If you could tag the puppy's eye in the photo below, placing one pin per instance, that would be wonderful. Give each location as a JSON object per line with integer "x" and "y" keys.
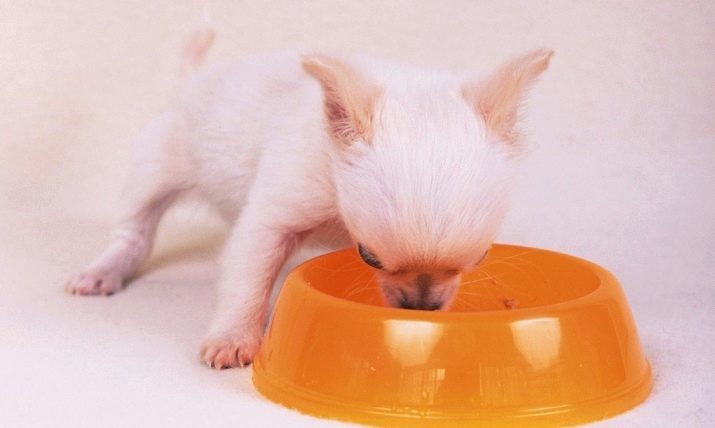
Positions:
{"x": 484, "y": 256}
{"x": 369, "y": 257}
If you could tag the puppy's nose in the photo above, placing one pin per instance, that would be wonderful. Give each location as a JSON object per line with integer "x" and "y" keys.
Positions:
{"x": 419, "y": 296}
{"x": 420, "y": 304}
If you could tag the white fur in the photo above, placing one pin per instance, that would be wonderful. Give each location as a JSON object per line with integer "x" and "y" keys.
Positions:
{"x": 429, "y": 190}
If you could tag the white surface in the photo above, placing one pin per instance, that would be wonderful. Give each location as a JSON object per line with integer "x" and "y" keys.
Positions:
{"x": 622, "y": 172}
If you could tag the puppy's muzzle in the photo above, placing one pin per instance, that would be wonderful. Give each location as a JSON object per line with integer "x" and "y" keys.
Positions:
{"x": 420, "y": 296}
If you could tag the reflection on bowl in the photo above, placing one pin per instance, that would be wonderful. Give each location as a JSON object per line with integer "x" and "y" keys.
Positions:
{"x": 534, "y": 337}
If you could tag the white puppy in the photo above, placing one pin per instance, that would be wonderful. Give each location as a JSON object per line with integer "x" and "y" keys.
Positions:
{"x": 411, "y": 166}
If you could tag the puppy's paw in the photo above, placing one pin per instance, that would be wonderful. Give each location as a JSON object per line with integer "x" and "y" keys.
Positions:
{"x": 94, "y": 283}
{"x": 226, "y": 351}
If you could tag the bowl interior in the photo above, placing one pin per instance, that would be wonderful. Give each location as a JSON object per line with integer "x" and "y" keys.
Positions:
{"x": 510, "y": 278}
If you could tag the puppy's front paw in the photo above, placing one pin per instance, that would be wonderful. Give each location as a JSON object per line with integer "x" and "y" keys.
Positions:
{"x": 226, "y": 351}
{"x": 93, "y": 283}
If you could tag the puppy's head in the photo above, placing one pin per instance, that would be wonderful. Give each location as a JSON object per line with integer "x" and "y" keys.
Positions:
{"x": 422, "y": 165}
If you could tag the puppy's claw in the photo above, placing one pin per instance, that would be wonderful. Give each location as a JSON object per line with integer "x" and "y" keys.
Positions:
{"x": 93, "y": 283}
{"x": 226, "y": 352}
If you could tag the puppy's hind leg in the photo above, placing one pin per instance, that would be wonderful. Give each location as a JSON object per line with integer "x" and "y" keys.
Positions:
{"x": 159, "y": 175}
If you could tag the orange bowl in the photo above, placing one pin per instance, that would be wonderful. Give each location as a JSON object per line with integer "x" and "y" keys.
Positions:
{"x": 534, "y": 338}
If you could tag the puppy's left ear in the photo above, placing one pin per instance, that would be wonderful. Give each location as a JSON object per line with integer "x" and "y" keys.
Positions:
{"x": 498, "y": 97}
{"x": 349, "y": 97}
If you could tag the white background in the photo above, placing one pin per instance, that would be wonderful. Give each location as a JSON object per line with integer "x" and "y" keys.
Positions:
{"x": 621, "y": 171}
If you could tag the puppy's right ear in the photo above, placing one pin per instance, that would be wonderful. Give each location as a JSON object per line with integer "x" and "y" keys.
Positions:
{"x": 349, "y": 98}
{"x": 497, "y": 99}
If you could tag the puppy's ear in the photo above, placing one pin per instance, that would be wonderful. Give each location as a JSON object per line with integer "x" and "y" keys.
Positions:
{"x": 349, "y": 97}
{"x": 497, "y": 98}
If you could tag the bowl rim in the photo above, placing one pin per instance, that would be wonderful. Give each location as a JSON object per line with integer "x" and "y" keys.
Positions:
{"x": 607, "y": 282}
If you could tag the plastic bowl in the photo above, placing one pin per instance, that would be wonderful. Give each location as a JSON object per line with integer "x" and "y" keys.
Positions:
{"x": 534, "y": 338}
